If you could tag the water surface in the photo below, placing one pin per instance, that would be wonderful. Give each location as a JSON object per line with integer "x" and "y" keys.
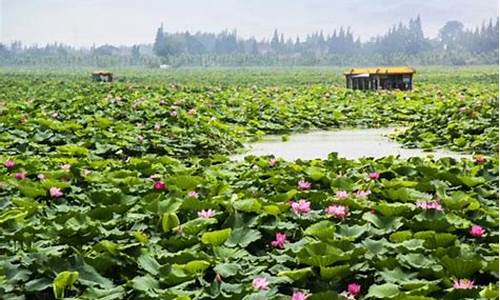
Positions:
{"x": 348, "y": 143}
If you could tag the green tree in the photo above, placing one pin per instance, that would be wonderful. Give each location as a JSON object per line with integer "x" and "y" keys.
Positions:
{"x": 275, "y": 42}
{"x": 135, "y": 53}
{"x": 450, "y": 34}
{"x": 160, "y": 45}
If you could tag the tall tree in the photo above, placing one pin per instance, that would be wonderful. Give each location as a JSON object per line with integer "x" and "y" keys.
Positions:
{"x": 275, "y": 42}
{"x": 160, "y": 46}
{"x": 135, "y": 53}
{"x": 450, "y": 34}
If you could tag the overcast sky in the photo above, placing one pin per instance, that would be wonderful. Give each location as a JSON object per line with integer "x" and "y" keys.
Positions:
{"x": 127, "y": 22}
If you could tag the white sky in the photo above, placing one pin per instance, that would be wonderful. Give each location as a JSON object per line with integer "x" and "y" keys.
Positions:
{"x": 127, "y": 22}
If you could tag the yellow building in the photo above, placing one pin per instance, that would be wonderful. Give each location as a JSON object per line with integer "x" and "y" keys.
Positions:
{"x": 380, "y": 78}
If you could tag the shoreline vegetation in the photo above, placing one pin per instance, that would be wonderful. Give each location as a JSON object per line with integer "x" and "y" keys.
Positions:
{"x": 401, "y": 44}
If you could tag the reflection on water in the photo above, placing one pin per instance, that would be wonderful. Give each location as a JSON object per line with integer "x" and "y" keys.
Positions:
{"x": 350, "y": 143}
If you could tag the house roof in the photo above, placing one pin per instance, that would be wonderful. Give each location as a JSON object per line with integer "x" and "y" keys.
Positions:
{"x": 102, "y": 72}
{"x": 380, "y": 70}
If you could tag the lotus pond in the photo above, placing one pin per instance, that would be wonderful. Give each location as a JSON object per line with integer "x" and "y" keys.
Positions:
{"x": 127, "y": 190}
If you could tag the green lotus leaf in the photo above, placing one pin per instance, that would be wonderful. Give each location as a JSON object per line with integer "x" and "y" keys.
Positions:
{"x": 37, "y": 285}
{"x": 323, "y": 230}
{"x": 248, "y": 205}
{"x": 315, "y": 173}
{"x": 400, "y": 236}
{"x": 321, "y": 255}
{"x": 145, "y": 283}
{"x": 216, "y": 238}
{"x": 489, "y": 292}
{"x": 169, "y": 221}
{"x": 63, "y": 281}
{"x": 196, "y": 266}
{"x": 195, "y": 226}
{"x": 354, "y": 231}
{"x": 418, "y": 260}
{"x": 185, "y": 182}
{"x": 334, "y": 272}
{"x": 383, "y": 291}
{"x": 392, "y": 209}
{"x": 104, "y": 294}
{"x": 461, "y": 267}
{"x": 73, "y": 150}
{"x": 406, "y": 194}
{"x": 326, "y": 295}
{"x": 243, "y": 237}
{"x": 148, "y": 263}
{"x": 296, "y": 274}
{"x": 227, "y": 269}
{"x": 397, "y": 276}
{"x": 385, "y": 224}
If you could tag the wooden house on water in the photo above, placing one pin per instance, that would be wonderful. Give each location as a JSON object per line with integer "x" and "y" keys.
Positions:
{"x": 388, "y": 78}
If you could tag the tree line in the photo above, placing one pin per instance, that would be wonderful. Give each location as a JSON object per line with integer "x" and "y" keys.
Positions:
{"x": 401, "y": 44}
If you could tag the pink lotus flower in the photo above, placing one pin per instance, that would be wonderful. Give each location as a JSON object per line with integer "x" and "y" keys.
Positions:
{"x": 159, "y": 185}
{"x": 304, "y": 185}
{"x": 301, "y": 207}
{"x": 354, "y": 288}
{"x": 430, "y": 205}
{"x": 157, "y": 126}
{"x": 463, "y": 284}
{"x": 206, "y": 214}
{"x": 272, "y": 162}
{"x": 20, "y": 175}
{"x": 86, "y": 172}
{"x": 341, "y": 195}
{"x": 191, "y": 112}
{"x": 480, "y": 159}
{"x": 193, "y": 194}
{"x": 140, "y": 138}
{"x": 40, "y": 176}
{"x": 337, "y": 211}
{"x": 374, "y": 176}
{"x": 66, "y": 167}
{"x": 9, "y": 164}
{"x": 280, "y": 240}
{"x": 477, "y": 231}
{"x": 299, "y": 295}
{"x": 173, "y": 113}
{"x": 260, "y": 283}
{"x": 363, "y": 194}
{"x": 55, "y": 192}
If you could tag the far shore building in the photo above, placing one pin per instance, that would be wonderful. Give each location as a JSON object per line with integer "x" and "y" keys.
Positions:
{"x": 388, "y": 78}
{"x": 105, "y": 76}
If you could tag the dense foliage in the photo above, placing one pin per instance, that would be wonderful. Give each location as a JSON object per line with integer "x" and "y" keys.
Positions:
{"x": 456, "y": 122}
{"x": 124, "y": 119}
{"x": 401, "y": 44}
{"x": 127, "y": 240}
{"x": 125, "y": 190}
